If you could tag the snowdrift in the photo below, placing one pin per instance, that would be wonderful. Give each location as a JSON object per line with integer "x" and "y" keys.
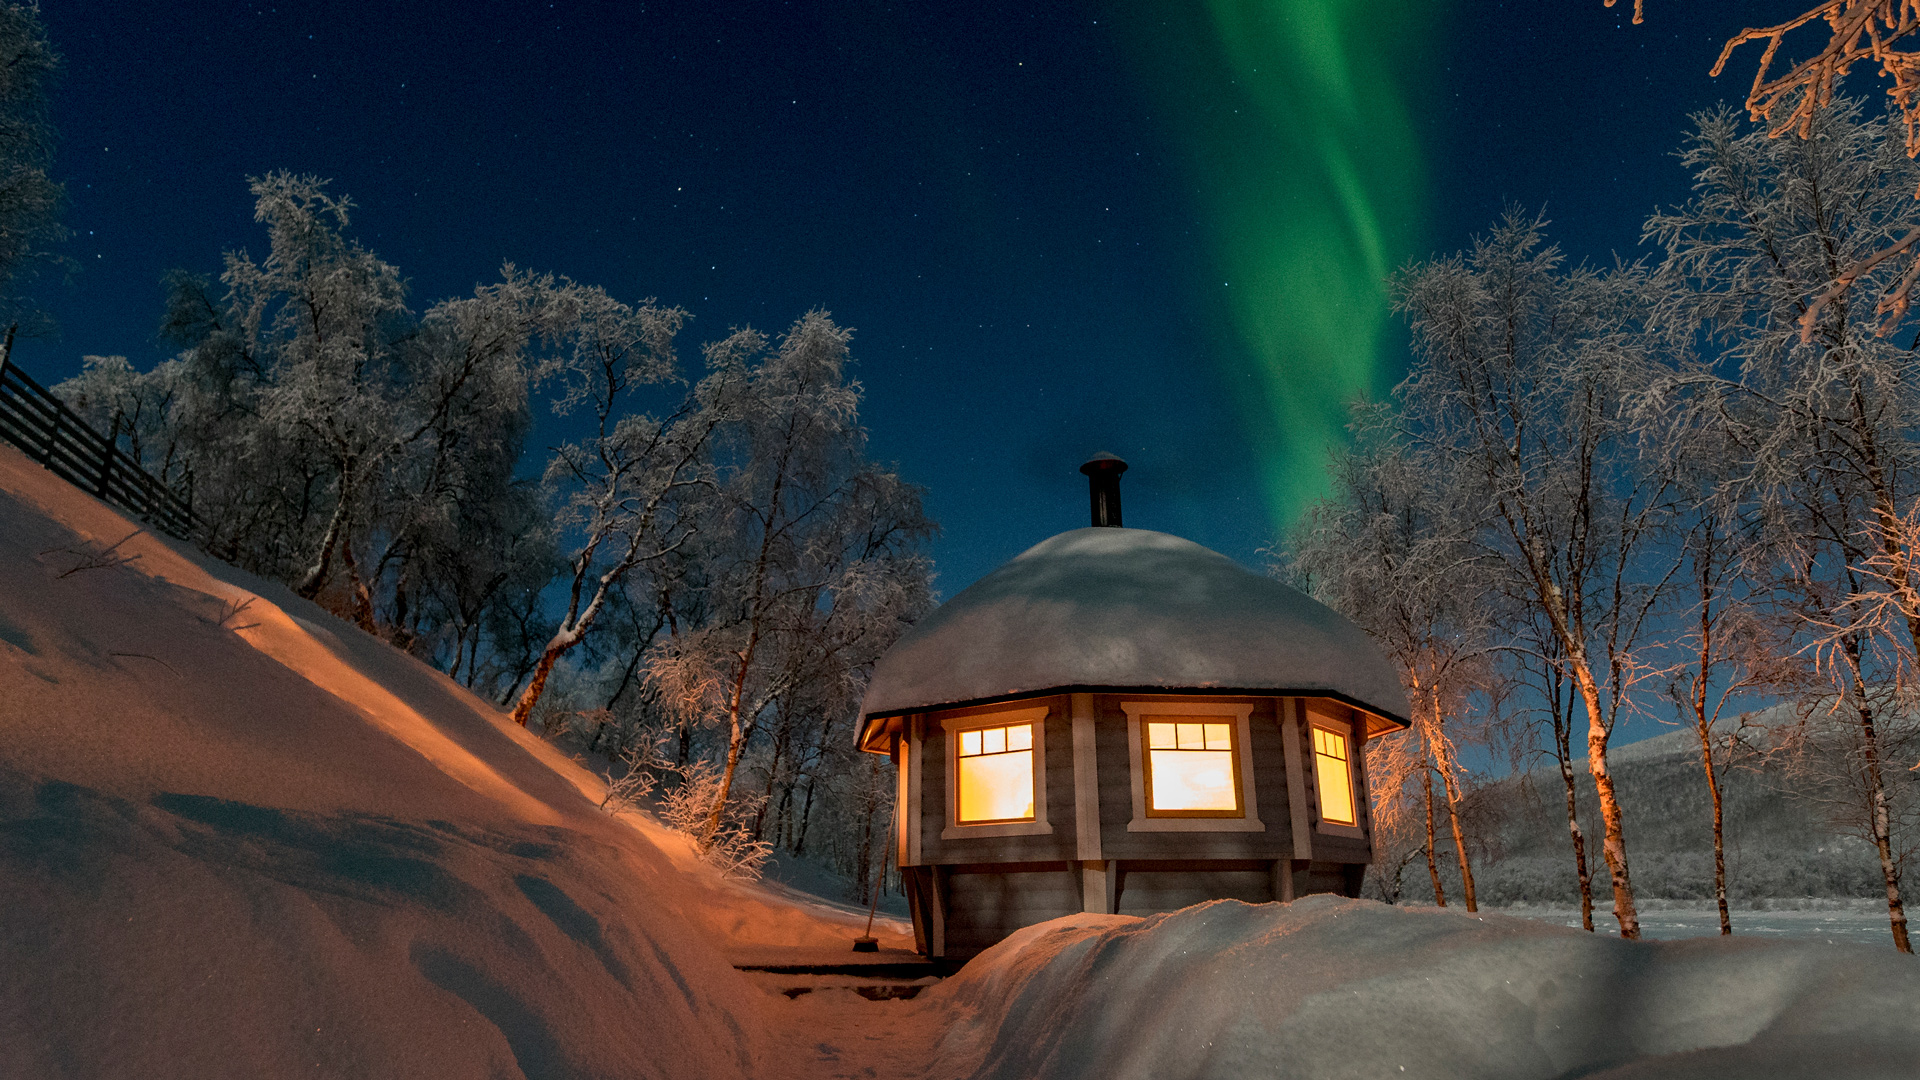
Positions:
{"x": 1328, "y": 988}
{"x": 238, "y": 838}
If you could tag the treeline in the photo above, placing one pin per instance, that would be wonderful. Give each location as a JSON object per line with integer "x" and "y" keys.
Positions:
{"x": 693, "y": 578}
{"x": 1679, "y": 487}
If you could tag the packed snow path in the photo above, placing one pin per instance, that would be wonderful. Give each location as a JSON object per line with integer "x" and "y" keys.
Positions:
{"x": 241, "y": 839}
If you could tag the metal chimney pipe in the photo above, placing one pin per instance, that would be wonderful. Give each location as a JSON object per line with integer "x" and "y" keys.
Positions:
{"x": 1103, "y": 488}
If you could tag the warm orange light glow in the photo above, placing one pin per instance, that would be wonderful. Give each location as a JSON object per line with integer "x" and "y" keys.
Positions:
{"x": 1335, "y": 775}
{"x": 996, "y": 774}
{"x": 1190, "y": 765}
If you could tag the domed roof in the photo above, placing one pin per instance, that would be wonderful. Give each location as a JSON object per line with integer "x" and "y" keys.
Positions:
{"x": 1129, "y": 609}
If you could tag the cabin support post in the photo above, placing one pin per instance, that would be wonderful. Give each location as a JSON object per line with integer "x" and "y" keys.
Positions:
{"x": 939, "y": 905}
{"x": 916, "y": 778}
{"x": 905, "y": 820}
{"x": 1095, "y": 895}
{"x": 915, "y": 880}
{"x": 1292, "y": 715}
{"x": 1363, "y": 792}
{"x": 1282, "y": 873}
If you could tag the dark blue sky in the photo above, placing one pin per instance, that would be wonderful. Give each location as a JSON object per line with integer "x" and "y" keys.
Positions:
{"x": 984, "y": 191}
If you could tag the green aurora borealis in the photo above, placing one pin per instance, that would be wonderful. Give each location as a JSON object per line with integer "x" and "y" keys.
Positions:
{"x": 1294, "y": 117}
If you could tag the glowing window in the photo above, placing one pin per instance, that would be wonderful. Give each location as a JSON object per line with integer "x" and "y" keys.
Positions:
{"x": 996, "y": 774}
{"x": 1190, "y": 767}
{"x": 1335, "y": 774}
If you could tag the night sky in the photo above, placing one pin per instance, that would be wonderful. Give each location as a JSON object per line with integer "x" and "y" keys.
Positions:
{"x": 1035, "y": 216}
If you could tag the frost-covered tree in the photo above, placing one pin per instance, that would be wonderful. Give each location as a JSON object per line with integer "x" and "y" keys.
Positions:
{"x": 812, "y": 562}
{"x": 1524, "y": 377}
{"x": 130, "y": 406}
{"x": 30, "y": 201}
{"x": 1391, "y": 549}
{"x": 450, "y": 482}
{"x": 630, "y": 492}
{"x": 1877, "y": 35}
{"x": 324, "y": 316}
{"x": 1819, "y": 415}
{"x": 315, "y": 425}
{"x": 728, "y": 535}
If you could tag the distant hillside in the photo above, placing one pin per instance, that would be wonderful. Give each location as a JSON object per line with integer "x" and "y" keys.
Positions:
{"x": 1777, "y": 845}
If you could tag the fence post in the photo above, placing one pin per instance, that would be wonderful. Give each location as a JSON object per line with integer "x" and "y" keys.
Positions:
{"x": 106, "y": 459}
{"x": 53, "y": 436}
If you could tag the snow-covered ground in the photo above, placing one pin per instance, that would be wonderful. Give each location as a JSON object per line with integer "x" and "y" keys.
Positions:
{"x": 1347, "y": 988}
{"x": 1863, "y": 921}
{"x": 241, "y": 839}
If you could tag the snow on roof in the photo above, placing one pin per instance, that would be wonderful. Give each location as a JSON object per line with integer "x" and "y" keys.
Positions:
{"x": 1134, "y": 609}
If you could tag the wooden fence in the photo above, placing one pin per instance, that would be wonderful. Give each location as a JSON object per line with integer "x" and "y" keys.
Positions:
{"x": 40, "y": 424}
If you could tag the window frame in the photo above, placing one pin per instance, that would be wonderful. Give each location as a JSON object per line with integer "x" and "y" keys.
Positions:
{"x": 1145, "y": 819}
{"x": 1343, "y": 730}
{"x": 1147, "y": 720}
{"x": 951, "y": 727}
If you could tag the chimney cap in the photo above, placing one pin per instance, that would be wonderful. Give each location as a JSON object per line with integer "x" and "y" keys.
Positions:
{"x": 1104, "y": 462}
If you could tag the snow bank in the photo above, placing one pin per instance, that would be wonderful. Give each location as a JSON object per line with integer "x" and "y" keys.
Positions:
{"x": 1330, "y": 988}
{"x": 239, "y": 838}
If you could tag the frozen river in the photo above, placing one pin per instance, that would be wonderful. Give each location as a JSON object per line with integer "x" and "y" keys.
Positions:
{"x": 1856, "y": 921}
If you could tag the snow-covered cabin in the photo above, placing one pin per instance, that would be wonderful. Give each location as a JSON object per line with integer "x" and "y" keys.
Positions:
{"x": 1120, "y": 720}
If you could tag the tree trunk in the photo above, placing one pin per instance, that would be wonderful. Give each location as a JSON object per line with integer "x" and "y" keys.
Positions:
{"x": 806, "y": 816}
{"x": 783, "y": 818}
{"x": 864, "y": 866}
{"x": 459, "y": 655}
{"x": 766, "y": 795}
{"x": 359, "y": 595}
{"x": 523, "y": 709}
{"x": 573, "y": 629}
{"x": 736, "y": 735}
{"x": 1445, "y": 762}
{"x": 1459, "y": 839}
{"x": 1704, "y": 725}
{"x": 1881, "y": 827}
{"x": 1580, "y": 859}
{"x": 316, "y": 578}
{"x": 736, "y": 744}
{"x": 1713, "y": 788}
{"x": 1614, "y": 844}
{"x": 1562, "y": 722}
{"x": 1433, "y": 865}
{"x": 626, "y": 677}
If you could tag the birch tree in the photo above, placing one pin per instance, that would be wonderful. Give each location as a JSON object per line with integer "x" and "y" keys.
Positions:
{"x": 1561, "y": 708}
{"x": 813, "y": 561}
{"x": 1821, "y": 408}
{"x": 628, "y": 491}
{"x": 465, "y": 370}
{"x": 322, "y": 314}
{"x": 1522, "y": 378}
{"x": 1718, "y": 626}
{"x": 1390, "y": 550}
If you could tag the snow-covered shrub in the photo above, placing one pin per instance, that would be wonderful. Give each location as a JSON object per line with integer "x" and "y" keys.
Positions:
{"x": 732, "y": 847}
{"x": 631, "y": 789}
